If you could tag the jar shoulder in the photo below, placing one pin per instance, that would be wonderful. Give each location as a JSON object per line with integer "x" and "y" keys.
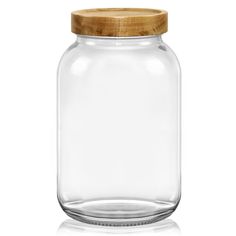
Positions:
{"x": 152, "y": 58}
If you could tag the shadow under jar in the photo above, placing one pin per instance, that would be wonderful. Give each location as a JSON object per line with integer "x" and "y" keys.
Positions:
{"x": 119, "y": 119}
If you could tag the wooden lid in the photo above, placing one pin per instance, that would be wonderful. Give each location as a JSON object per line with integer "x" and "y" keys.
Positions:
{"x": 119, "y": 22}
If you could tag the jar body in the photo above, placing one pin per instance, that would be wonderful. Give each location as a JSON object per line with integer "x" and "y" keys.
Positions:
{"x": 119, "y": 130}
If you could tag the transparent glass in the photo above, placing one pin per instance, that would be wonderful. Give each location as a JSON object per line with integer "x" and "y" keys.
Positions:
{"x": 119, "y": 130}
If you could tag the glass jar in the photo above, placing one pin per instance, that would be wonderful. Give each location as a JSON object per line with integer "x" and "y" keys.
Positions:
{"x": 119, "y": 119}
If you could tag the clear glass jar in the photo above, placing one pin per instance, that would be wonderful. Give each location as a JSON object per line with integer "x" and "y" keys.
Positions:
{"x": 119, "y": 129}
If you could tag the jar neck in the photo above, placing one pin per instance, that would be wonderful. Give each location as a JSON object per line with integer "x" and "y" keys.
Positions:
{"x": 118, "y": 41}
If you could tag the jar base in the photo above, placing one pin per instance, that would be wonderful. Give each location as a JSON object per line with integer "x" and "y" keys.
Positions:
{"x": 118, "y": 212}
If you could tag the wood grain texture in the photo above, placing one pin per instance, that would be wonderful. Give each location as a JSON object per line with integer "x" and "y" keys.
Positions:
{"x": 119, "y": 22}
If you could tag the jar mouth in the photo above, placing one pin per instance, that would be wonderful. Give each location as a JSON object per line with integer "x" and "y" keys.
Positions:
{"x": 118, "y": 37}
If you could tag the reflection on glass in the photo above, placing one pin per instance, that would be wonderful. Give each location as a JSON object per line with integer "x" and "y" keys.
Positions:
{"x": 162, "y": 228}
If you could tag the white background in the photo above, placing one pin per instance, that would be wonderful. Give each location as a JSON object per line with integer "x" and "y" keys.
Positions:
{"x": 34, "y": 34}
